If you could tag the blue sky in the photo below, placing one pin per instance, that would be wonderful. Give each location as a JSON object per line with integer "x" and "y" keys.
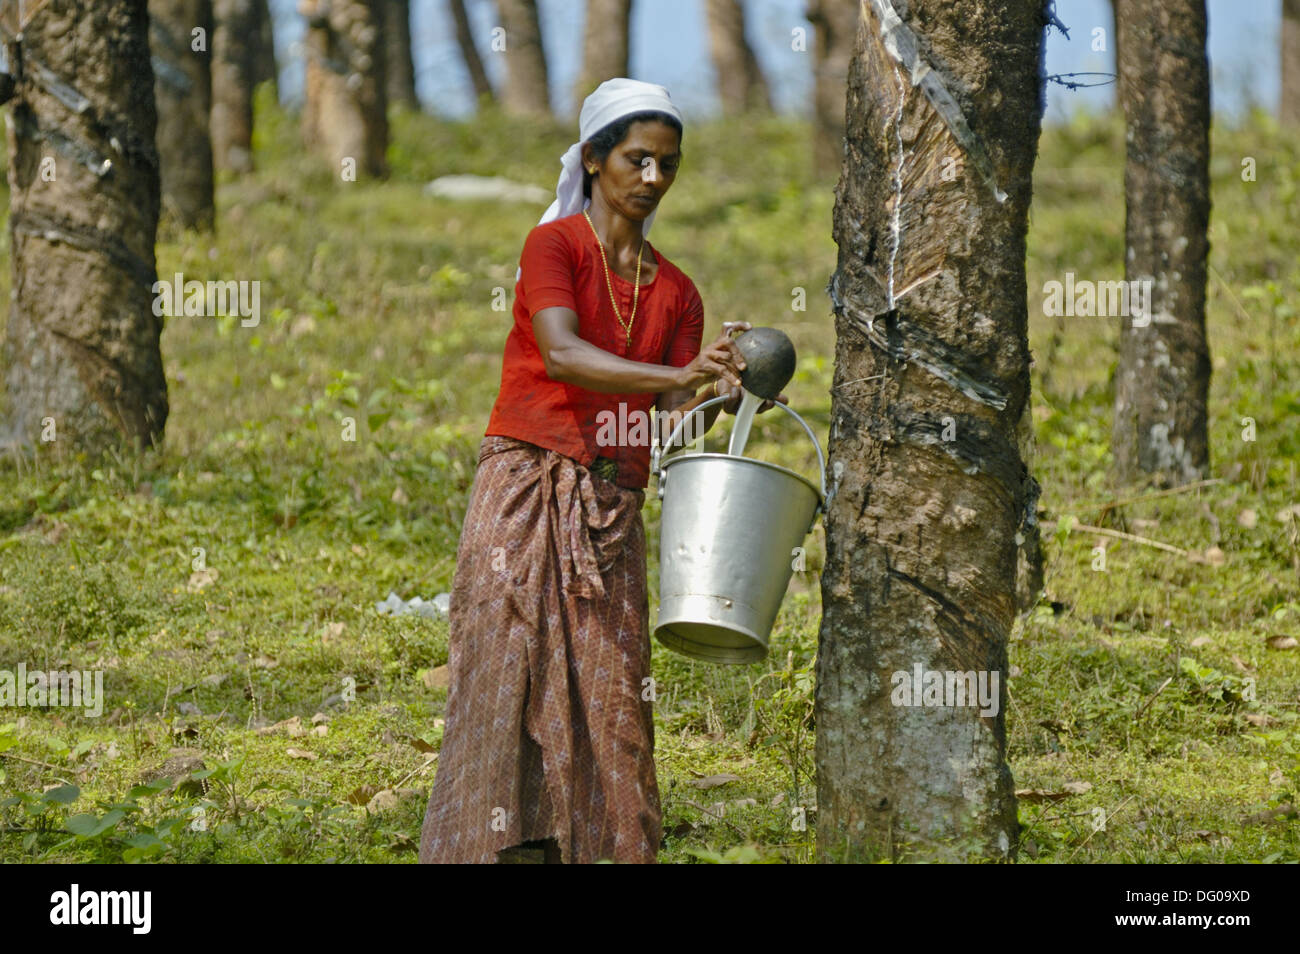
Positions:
{"x": 669, "y": 46}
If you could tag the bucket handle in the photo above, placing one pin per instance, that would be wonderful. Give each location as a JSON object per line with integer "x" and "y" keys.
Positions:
{"x": 662, "y": 476}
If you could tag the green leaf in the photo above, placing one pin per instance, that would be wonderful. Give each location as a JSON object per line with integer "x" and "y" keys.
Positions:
{"x": 88, "y": 826}
{"x": 63, "y": 795}
{"x": 83, "y": 825}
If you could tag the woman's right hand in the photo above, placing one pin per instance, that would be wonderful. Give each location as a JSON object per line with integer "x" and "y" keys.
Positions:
{"x": 721, "y": 359}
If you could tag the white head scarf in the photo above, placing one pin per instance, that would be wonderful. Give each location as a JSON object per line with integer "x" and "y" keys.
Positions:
{"x": 609, "y": 102}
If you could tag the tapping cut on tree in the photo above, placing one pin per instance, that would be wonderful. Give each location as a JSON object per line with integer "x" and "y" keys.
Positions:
{"x": 82, "y": 342}
{"x": 931, "y": 492}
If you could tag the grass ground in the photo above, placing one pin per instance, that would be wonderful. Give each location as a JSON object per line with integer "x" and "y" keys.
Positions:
{"x": 227, "y": 583}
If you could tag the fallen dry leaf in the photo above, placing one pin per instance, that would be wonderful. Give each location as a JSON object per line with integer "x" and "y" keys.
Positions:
{"x": 301, "y": 754}
{"x": 1282, "y": 642}
{"x": 362, "y": 794}
{"x": 1288, "y": 513}
{"x": 1260, "y": 719}
{"x": 1241, "y": 663}
{"x": 201, "y": 578}
{"x": 383, "y": 800}
{"x": 1248, "y": 519}
{"x": 292, "y": 727}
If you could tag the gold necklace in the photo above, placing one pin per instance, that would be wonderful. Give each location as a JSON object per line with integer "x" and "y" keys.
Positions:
{"x": 636, "y": 290}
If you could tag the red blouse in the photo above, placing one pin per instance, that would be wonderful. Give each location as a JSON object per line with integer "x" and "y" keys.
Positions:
{"x": 561, "y": 267}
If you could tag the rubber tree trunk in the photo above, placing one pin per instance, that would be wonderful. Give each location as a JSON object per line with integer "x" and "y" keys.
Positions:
{"x": 1290, "y": 102}
{"x": 526, "y": 91}
{"x": 345, "y": 116}
{"x": 400, "y": 66}
{"x": 741, "y": 86}
{"x": 180, "y": 34}
{"x": 265, "y": 69}
{"x": 604, "y": 45}
{"x": 233, "y": 62}
{"x": 82, "y": 342}
{"x": 931, "y": 380}
{"x": 835, "y": 27}
{"x": 473, "y": 62}
{"x": 1162, "y": 380}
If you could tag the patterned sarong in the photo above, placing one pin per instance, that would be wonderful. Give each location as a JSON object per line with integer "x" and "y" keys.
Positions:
{"x": 549, "y": 730}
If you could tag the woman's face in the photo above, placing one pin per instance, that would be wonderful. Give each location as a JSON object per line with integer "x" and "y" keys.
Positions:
{"x": 639, "y": 170}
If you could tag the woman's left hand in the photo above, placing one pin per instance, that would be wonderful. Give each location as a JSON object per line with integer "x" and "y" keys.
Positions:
{"x": 735, "y": 394}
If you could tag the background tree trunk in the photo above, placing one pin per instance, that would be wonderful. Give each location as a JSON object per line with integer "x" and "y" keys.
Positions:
{"x": 265, "y": 69}
{"x": 400, "y": 66}
{"x": 345, "y": 115}
{"x": 835, "y": 25}
{"x": 1290, "y": 103}
{"x": 233, "y": 68}
{"x": 183, "y": 96}
{"x": 1162, "y": 380}
{"x": 931, "y": 381}
{"x": 526, "y": 92}
{"x": 82, "y": 339}
{"x": 473, "y": 62}
{"x": 741, "y": 86}
{"x": 604, "y": 45}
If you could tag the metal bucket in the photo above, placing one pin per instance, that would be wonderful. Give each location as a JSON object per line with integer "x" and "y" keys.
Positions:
{"x": 727, "y": 537}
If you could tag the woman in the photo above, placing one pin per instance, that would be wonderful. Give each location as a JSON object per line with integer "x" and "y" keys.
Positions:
{"x": 549, "y": 738}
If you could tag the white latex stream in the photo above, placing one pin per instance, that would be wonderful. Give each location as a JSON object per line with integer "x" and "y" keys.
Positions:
{"x": 744, "y": 418}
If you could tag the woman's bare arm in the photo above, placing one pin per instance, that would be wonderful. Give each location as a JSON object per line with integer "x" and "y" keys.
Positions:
{"x": 574, "y": 360}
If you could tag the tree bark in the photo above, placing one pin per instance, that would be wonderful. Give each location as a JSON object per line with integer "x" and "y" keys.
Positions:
{"x": 1029, "y": 555}
{"x": 604, "y": 45}
{"x": 1289, "y": 113}
{"x": 233, "y": 68}
{"x": 741, "y": 86}
{"x": 835, "y": 26}
{"x": 400, "y": 65}
{"x": 526, "y": 92}
{"x": 931, "y": 380}
{"x": 473, "y": 62}
{"x": 345, "y": 115}
{"x": 82, "y": 343}
{"x": 1162, "y": 379}
{"x": 265, "y": 69}
{"x": 183, "y": 97}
